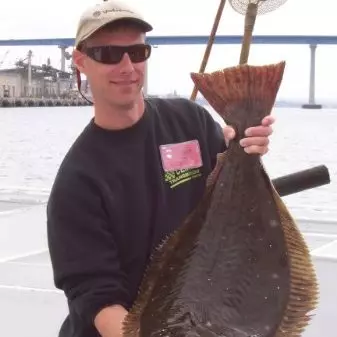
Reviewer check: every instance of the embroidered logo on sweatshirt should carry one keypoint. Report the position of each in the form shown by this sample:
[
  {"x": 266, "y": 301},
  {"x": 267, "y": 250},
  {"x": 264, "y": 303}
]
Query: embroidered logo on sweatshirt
[
  {"x": 181, "y": 162},
  {"x": 179, "y": 177}
]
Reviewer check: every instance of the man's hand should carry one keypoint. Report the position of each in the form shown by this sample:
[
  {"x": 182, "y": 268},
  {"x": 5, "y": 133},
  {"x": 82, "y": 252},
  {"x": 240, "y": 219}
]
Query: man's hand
[
  {"x": 257, "y": 138},
  {"x": 109, "y": 321}
]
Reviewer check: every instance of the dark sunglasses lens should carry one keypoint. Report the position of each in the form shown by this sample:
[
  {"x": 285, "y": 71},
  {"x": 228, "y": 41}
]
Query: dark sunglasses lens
[
  {"x": 104, "y": 54},
  {"x": 139, "y": 53},
  {"x": 114, "y": 54}
]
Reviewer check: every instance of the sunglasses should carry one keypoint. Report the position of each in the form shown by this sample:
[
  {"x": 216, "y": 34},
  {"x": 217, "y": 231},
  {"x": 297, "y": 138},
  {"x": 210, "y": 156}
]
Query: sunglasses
[{"x": 114, "y": 54}]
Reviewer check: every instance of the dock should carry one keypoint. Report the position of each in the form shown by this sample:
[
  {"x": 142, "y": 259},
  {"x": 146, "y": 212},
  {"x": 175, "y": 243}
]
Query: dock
[
  {"x": 31, "y": 306},
  {"x": 41, "y": 102}
]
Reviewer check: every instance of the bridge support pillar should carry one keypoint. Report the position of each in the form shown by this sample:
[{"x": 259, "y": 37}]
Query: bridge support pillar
[{"x": 312, "y": 104}]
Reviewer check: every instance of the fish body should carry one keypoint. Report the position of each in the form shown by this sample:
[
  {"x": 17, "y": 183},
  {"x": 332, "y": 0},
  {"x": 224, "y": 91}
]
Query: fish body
[{"x": 238, "y": 266}]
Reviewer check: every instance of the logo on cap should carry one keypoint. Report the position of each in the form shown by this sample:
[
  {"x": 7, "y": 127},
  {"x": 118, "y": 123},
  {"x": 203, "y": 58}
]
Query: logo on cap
[{"x": 114, "y": 10}]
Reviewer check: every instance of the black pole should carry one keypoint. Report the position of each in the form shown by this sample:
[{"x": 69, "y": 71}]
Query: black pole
[{"x": 302, "y": 180}]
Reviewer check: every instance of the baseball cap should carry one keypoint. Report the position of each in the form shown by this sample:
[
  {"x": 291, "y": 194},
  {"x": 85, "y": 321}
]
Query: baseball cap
[{"x": 97, "y": 16}]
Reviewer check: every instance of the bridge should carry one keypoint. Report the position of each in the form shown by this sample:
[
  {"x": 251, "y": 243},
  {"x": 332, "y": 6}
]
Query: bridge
[{"x": 312, "y": 41}]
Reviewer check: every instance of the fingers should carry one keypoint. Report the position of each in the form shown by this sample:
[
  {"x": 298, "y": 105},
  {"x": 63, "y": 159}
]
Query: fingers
[
  {"x": 259, "y": 131},
  {"x": 257, "y": 137},
  {"x": 268, "y": 120},
  {"x": 257, "y": 145},
  {"x": 254, "y": 141},
  {"x": 229, "y": 132},
  {"x": 255, "y": 149},
  {"x": 264, "y": 130}
]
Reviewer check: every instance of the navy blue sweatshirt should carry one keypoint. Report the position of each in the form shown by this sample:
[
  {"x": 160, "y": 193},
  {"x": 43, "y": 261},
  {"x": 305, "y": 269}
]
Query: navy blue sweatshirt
[{"x": 116, "y": 195}]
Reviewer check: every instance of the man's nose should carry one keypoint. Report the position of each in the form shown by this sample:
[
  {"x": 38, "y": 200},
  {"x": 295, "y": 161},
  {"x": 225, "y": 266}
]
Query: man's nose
[{"x": 126, "y": 64}]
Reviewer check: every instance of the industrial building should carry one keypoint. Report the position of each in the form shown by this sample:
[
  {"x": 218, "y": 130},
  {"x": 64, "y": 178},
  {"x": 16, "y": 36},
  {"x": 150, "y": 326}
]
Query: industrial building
[
  {"x": 14, "y": 83},
  {"x": 27, "y": 80}
]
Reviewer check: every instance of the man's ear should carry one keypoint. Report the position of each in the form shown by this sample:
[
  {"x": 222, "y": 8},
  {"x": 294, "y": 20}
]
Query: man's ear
[{"x": 78, "y": 59}]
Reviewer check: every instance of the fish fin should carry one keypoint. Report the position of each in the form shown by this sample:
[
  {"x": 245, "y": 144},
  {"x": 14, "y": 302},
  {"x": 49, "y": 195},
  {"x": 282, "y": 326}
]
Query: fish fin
[
  {"x": 158, "y": 259},
  {"x": 160, "y": 255},
  {"x": 131, "y": 324},
  {"x": 232, "y": 91},
  {"x": 211, "y": 179},
  {"x": 304, "y": 293}
]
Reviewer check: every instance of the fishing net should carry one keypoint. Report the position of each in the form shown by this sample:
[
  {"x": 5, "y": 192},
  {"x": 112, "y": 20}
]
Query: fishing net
[{"x": 263, "y": 6}]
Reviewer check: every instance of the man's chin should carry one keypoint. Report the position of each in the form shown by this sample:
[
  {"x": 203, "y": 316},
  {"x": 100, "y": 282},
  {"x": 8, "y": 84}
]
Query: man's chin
[
  {"x": 125, "y": 97},
  {"x": 125, "y": 103}
]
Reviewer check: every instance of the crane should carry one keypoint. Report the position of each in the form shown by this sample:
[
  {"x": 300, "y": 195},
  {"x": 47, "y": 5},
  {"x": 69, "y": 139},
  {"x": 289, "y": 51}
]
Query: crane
[{"x": 4, "y": 57}]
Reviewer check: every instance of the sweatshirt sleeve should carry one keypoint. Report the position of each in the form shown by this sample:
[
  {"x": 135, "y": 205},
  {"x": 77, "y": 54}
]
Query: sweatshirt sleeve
[{"x": 82, "y": 248}]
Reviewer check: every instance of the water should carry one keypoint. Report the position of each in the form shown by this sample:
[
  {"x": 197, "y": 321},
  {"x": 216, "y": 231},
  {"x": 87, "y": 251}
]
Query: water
[{"x": 34, "y": 140}]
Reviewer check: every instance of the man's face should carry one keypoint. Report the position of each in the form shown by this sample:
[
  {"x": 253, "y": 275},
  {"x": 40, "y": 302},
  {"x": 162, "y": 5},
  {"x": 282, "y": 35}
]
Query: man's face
[{"x": 117, "y": 84}]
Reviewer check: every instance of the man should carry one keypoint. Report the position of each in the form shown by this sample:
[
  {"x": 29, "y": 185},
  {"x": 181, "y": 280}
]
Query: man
[{"x": 125, "y": 184}]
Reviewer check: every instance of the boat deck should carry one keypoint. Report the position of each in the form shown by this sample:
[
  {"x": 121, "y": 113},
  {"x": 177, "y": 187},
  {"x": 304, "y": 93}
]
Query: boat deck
[{"x": 30, "y": 306}]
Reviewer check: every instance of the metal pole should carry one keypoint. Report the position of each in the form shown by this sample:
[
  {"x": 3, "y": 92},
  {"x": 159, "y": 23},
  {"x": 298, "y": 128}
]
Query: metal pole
[
  {"x": 30, "y": 53},
  {"x": 63, "y": 57}
]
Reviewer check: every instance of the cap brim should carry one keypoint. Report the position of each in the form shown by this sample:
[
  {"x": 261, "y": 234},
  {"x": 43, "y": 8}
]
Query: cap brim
[{"x": 142, "y": 24}]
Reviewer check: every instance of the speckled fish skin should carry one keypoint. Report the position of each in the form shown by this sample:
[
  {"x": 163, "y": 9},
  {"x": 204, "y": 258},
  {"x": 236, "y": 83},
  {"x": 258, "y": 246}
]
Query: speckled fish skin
[{"x": 238, "y": 266}]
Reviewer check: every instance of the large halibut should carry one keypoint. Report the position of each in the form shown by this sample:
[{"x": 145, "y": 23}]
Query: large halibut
[{"x": 238, "y": 266}]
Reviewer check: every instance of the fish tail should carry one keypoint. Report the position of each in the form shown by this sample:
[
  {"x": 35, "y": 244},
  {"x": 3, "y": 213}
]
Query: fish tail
[{"x": 242, "y": 95}]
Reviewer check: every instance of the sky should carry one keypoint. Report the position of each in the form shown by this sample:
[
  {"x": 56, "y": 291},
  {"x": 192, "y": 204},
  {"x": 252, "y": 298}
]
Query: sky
[{"x": 170, "y": 66}]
